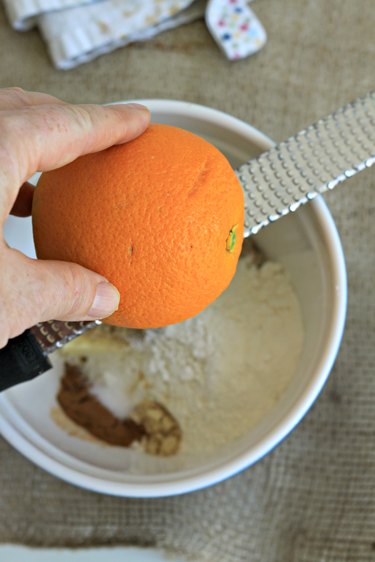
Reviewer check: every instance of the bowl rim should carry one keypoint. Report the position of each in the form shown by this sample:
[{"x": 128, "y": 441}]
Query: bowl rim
[{"x": 216, "y": 474}]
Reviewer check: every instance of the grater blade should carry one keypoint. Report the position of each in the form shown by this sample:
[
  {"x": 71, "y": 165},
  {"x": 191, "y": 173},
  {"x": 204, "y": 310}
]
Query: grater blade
[
  {"x": 311, "y": 162},
  {"x": 54, "y": 334}
]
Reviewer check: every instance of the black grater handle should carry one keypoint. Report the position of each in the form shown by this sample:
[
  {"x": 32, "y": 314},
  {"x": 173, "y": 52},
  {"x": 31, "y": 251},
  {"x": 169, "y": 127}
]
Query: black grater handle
[{"x": 21, "y": 360}]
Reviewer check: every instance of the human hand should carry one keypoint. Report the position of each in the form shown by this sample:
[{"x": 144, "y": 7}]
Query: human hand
[{"x": 39, "y": 132}]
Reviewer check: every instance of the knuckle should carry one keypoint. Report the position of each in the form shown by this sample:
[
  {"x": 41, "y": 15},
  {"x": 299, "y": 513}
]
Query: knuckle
[
  {"x": 12, "y": 146},
  {"x": 17, "y": 94},
  {"x": 83, "y": 116},
  {"x": 78, "y": 292},
  {"x": 7, "y": 126},
  {"x": 18, "y": 91}
]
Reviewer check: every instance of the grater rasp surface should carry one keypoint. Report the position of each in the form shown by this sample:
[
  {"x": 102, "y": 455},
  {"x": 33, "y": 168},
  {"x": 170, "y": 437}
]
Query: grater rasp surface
[
  {"x": 313, "y": 161},
  {"x": 54, "y": 334}
]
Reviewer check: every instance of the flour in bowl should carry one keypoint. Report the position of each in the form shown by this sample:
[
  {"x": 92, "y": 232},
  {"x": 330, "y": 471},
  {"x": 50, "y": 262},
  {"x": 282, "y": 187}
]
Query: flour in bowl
[{"x": 215, "y": 375}]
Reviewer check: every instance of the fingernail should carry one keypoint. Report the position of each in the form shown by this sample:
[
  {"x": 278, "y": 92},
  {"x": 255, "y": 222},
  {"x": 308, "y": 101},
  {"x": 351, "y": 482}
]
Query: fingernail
[{"x": 106, "y": 301}]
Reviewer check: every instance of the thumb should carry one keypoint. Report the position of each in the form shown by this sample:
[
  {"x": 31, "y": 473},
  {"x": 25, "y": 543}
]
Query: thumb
[{"x": 39, "y": 290}]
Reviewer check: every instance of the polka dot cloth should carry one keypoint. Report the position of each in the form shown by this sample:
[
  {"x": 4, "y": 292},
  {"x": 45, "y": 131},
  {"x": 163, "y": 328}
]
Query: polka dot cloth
[{"x": 235, "y": 28}]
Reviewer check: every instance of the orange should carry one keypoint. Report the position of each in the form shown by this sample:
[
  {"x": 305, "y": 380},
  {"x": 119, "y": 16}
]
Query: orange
[{"x": 161, "y": 217}]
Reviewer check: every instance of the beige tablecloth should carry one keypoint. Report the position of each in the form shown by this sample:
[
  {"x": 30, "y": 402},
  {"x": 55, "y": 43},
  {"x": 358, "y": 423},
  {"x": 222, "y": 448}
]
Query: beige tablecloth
[{"x": 313, "y": 498}]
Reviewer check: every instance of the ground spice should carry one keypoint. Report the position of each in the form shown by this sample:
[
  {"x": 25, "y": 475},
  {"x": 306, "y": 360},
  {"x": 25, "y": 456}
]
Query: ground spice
[
  {"x": 83, "y": 408},
  {"x": 150, "y": 422}
]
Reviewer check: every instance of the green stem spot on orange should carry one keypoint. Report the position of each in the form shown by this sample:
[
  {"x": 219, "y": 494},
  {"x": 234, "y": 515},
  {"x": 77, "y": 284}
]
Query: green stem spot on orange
[{"x": 231, "y": 240}]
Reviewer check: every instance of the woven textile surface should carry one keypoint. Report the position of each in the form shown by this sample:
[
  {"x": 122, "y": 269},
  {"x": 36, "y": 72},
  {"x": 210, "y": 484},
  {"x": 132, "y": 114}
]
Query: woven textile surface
[{"x": 313, "y": 498}]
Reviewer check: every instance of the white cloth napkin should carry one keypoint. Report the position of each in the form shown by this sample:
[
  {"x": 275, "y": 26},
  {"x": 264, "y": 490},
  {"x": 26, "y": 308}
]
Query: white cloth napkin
[{"x": 77, "y": 31}]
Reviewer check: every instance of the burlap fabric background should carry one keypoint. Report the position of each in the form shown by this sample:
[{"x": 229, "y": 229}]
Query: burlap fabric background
[{"x": 313, "y": 498}]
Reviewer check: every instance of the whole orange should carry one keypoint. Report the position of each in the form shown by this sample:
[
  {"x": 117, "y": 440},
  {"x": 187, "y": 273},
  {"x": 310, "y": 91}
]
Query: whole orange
[{"x": 161, "y": 217}]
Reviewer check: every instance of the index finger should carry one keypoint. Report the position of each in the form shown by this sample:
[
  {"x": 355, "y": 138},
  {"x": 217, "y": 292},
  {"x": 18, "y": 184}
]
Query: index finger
[{"x": 44, "y": 137}]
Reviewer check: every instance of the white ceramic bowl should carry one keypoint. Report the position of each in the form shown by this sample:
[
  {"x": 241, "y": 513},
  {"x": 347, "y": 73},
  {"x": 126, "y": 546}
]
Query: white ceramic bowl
[{"x": 306, "y": 242}]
